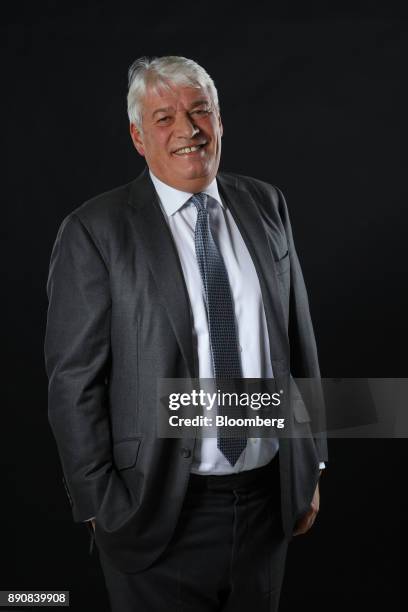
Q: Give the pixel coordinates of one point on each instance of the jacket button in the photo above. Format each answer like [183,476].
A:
[185,452]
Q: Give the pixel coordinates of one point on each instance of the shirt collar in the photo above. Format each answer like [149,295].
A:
[173,199]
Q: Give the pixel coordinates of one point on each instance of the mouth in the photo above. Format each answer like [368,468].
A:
[189,151]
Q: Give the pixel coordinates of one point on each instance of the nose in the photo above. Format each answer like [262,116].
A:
[184,127]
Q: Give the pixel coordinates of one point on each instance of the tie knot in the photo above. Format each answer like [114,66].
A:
[199,200]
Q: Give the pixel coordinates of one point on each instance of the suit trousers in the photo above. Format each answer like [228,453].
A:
[227,552]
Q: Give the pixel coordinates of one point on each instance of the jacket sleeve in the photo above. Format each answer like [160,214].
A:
[303,351]
[77,355]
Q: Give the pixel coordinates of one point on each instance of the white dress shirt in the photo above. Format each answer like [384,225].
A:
[253,338]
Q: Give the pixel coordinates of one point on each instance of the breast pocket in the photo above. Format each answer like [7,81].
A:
[283,274]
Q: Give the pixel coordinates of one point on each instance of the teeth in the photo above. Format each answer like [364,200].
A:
[186,150]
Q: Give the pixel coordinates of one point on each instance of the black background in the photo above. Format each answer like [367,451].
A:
[313,100]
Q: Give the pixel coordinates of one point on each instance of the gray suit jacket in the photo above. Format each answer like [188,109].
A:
[118,320]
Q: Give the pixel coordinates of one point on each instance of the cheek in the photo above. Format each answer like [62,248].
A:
[156,146]
[216,135]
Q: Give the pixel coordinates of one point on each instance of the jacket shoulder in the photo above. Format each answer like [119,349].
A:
[99,218]
[258,188]
[104,205]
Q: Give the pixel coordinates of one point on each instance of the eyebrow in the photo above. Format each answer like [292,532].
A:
[169,108]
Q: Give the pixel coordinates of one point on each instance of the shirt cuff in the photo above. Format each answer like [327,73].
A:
[322,465]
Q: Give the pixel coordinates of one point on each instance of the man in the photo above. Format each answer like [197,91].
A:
[185,272]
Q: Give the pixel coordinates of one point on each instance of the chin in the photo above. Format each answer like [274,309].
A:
[197,173]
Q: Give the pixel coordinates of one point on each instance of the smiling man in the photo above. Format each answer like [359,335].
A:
[186,272]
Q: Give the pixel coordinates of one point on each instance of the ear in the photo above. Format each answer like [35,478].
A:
[137,139]
[220,124]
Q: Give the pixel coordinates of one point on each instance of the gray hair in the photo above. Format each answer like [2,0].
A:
[157,73]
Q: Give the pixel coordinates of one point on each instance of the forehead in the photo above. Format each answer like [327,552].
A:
[173,96]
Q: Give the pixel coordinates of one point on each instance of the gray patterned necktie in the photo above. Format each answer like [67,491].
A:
[221,317]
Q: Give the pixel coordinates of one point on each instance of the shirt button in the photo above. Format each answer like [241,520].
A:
[185,452]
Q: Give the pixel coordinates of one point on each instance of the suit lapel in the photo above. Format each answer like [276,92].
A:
[164,263]
[248,219]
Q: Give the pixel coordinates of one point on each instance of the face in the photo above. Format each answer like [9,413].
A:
[181,137]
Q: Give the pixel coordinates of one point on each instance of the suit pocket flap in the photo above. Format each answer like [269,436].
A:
[300,411]
[283,264]
[125,453]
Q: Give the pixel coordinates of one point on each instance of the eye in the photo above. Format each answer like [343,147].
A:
[202,111]
[163,119]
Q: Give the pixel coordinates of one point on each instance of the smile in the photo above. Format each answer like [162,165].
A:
[189,150]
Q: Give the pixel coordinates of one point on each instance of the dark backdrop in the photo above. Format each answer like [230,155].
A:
[313,101]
